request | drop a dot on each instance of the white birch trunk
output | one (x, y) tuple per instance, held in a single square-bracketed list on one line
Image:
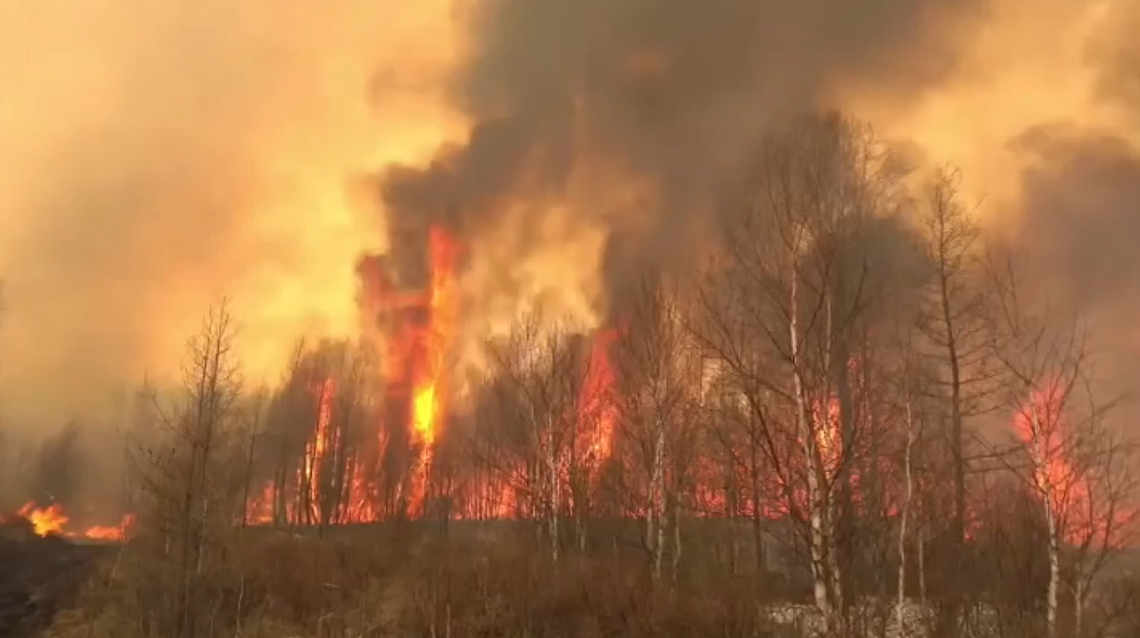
[(1041, 476), (904, 518), (554, 500), (921, 551), (818, 524), (656, 500)]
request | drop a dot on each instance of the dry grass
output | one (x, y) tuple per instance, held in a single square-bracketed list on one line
[(281, 586), (390, 584)]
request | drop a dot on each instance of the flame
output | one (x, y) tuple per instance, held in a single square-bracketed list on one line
[(48, 521), (598, 411), (420, 329), (316, 451), (1041, 426), (52, 521), (435, 339), (1081, 513), (117, 533)]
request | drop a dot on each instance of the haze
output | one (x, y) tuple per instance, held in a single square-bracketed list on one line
[(155, 153)]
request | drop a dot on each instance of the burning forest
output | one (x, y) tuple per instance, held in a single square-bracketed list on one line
[(378, 437), (552, 319), (801, 402)]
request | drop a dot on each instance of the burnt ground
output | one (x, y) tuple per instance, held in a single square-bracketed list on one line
[(39, 577)]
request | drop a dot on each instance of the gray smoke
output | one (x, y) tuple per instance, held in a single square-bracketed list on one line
[(675, 91)]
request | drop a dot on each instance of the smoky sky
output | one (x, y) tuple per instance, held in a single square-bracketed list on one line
[(1080, 205), (674, 91), (154, 153), (1082, 211)]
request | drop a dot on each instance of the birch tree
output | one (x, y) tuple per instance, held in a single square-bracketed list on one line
[(528, 422), (1099, 502), (1073, 461), (794, 274), (659, 372)]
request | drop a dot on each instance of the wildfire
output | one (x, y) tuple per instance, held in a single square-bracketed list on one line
[(324, 439), (419, 329), (107, 533), (596, 405), (1041, 426), (1081, 512), (428, 372), (53, 520), (47, 521)]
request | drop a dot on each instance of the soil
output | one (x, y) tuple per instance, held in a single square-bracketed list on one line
[(39, 577)]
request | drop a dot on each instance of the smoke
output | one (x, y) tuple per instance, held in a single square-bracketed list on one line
[(603, 132), (155, 153), (1079, 185)]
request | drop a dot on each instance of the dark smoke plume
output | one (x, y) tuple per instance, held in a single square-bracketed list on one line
[(671, 91)]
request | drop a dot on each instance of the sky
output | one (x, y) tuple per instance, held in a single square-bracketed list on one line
[(157, 154)]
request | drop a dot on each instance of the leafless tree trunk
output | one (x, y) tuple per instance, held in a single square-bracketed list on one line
[(782, 306), (913, 433), (530, 419), (1103, 519), (952, 322), (256, 412), (1071, 457), (659, 372), (183, 476)]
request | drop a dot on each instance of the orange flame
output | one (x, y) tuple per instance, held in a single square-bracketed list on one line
[(1041, 426), (52, 521), (598, 411), (117, 533), (428, 372), (48, 521), (1081, 514), (317, 449)]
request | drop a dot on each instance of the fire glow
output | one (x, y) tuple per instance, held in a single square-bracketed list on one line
[(419, 332), (1057, 477), (53, 520)]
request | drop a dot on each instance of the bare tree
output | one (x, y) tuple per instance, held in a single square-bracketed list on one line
[(353, 410), (1074, 463), (910, 379), (1099, 512), (953, 327), (334, 378), (796, 277), (529, 419), (660, 374), (255, 416), (185, 472)]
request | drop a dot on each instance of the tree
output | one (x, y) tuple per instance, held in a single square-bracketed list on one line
[(255, 415), (186, 470), (911, 379), (1076, 466), (529, 419), (334, 378), (659, 371), (952, 324), (784, 309)]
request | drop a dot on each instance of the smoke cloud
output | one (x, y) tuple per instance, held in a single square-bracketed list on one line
[(156, 153), (603, 133)]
